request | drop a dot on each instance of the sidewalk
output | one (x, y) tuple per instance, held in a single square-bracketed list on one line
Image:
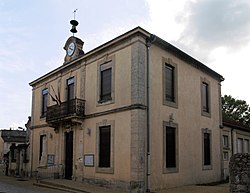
[(87, 188), (223, 188), (62, 185)]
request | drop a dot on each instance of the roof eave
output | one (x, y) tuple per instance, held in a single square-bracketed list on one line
[(137, 30), (187, 58)]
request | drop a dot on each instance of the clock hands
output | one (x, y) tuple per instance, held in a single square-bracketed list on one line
[(71, 49)]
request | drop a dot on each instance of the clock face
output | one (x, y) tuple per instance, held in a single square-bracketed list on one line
[(71, 49)]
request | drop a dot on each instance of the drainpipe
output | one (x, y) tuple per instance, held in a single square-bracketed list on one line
[(232, 142), (31, 137), (149, 41)]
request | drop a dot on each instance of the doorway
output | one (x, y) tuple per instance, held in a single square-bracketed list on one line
[(68, 155)]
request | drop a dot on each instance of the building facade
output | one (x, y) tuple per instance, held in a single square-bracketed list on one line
[(15, 151), (1, 149), (135, 112), (235, 139)]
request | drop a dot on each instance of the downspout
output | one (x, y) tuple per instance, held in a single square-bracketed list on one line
[(232, 142), (149, 41), (221, 132), (31, 134)]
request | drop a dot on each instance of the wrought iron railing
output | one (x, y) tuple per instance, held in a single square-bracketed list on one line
[(74, 107), (52, 171)]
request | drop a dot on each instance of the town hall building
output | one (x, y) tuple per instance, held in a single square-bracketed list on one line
[(135, 113)]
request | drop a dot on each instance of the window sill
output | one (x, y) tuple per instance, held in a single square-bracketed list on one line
[(105, 102), (105, 170), (207, 167), (206, 114), (170, 170), (43, 116), (170, 104)]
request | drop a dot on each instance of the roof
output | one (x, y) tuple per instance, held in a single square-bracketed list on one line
[(13, 136), (236, 125), (185, 57), (150, 38)]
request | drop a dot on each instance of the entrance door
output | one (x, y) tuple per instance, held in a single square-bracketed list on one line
[(68, 154)]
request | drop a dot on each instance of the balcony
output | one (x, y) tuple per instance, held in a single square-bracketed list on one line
[(66, 112)]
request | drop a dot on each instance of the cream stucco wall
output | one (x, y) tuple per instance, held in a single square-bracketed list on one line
[(233, 134), (190, 123), (128, 122), (121, 154), (1, 148), (86, 76)]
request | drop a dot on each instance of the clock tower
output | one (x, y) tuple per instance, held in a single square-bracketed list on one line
[(73, 45)]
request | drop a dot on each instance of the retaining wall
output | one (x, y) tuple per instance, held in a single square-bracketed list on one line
[(239, 167)]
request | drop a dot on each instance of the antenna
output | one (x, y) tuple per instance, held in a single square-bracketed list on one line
[(74, 23)]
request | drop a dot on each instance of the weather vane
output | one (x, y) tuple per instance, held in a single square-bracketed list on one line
[(75, 13), (74, 23)]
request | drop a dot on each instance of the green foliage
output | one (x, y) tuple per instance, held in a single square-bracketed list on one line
[(235, 110)]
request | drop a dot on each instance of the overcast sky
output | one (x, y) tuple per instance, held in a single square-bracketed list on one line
[(33, 33)]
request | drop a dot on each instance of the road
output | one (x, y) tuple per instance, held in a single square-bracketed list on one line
[(14, 185), (10, 184)]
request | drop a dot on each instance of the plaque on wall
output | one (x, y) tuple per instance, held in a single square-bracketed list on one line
[(89, 160), (51, 159)]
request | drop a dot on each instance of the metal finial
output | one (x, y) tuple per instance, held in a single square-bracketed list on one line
[(74, 23), (75, 13)]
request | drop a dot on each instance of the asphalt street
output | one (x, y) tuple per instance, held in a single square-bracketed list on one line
[(10, 184)]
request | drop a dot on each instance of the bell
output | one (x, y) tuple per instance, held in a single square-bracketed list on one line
[(74, 22), (73, 30)]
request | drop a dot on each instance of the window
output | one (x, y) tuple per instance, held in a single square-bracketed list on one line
[(105, 82), (13, 152), (25, 156), (104, 146), (105, 85), (169, 83), (246, 146), (225, 156), (225, 141), (42, 144), (70, 89), (239, 145), (45, 93), (205, 106), (205, 98), (207, 155), (170, 147)]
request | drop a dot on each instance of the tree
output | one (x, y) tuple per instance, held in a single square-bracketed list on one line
[(235, 110)]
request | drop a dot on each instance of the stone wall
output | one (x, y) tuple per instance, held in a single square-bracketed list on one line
[(239, 167)]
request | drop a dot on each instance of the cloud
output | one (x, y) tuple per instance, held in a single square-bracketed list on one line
[(164, 20), (217, 23)]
